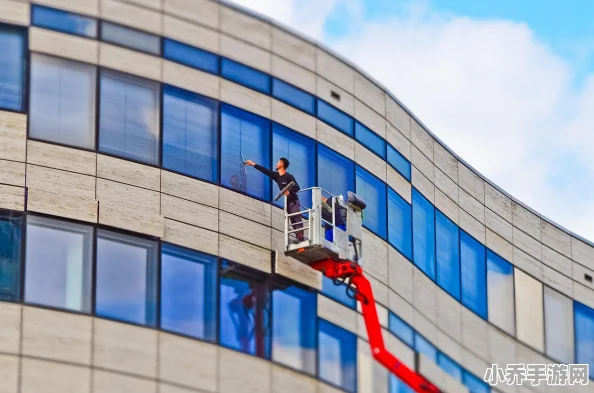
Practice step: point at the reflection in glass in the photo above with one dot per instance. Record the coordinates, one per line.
(244, 136)
(473, 268)
(335, 172)
(294, 313)
(425, 347)
(190, 127)
(423, 214)
(188, 292)
(447, 245)
(399, 223)
(337, 356)
(584, 336)
(10, 255)
(301, 153)
(12, 67)
(401, 329)
(126, 278)
(58, 267)
(373, 192)
(54, 19)
(500, 286)
(129, 117)
(244, 310)
(62, 101)
(130, 38)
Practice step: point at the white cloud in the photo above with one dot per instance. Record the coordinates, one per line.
(501, 99)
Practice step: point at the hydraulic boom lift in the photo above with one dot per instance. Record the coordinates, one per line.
(333, 245)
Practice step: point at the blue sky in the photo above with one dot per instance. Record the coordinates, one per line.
(564, 26)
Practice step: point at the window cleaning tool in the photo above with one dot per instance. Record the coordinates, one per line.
(282, 192)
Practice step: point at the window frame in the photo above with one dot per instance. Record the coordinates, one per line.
(25, 67)
(100, 38)
(101, 70)
(91, 263)
(314, 111)
(215, 285)
(184, 45)
(266, 90)
(94, 36)
(360, 126)
(19, 284)
(282, 281)
(234, 111)
(156, 323)
(384, 191)
(95, 97)
(217, 105)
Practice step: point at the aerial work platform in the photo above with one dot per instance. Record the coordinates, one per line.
(332, 230)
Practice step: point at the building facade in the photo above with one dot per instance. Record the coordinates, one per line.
(138, 254)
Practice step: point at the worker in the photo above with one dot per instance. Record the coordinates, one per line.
(282, 178)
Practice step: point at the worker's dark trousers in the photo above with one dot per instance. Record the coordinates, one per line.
(295, 207)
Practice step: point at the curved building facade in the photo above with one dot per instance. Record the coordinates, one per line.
(138, 254)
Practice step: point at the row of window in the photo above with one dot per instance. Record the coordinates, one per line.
(67, 22)
(83, 268)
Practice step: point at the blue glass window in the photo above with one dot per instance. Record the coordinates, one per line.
(337, 292)
(397, 386)
(59, 264)
(336, 118)
(244, 315)
(10, 255)
(500, 290)
(584, 335)
(447, 245)
(301, 153)
(129, 117)
(190, 56)
(398, 162)
(474, 384)
(337, 356)
(62, 101)
(399, 223)
(373, 192)
(401, 329)
(370, 140)
(293, 96)
(474, 274)
(244, 136)
(51, 18)
(335, 172)
(425, 347)
(294, 312)
(130, 38)
(188, 292)
(126, 282)
(423, 214)
(449, 366)
(244, 75)
(190, 134)
(12, 67)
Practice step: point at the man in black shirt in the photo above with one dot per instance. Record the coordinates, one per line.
(282, 178)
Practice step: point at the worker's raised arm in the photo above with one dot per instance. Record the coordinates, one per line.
(271, 174)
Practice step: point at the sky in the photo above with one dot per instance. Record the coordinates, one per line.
(508, 85)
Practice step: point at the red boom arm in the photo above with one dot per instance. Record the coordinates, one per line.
(364, 294)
